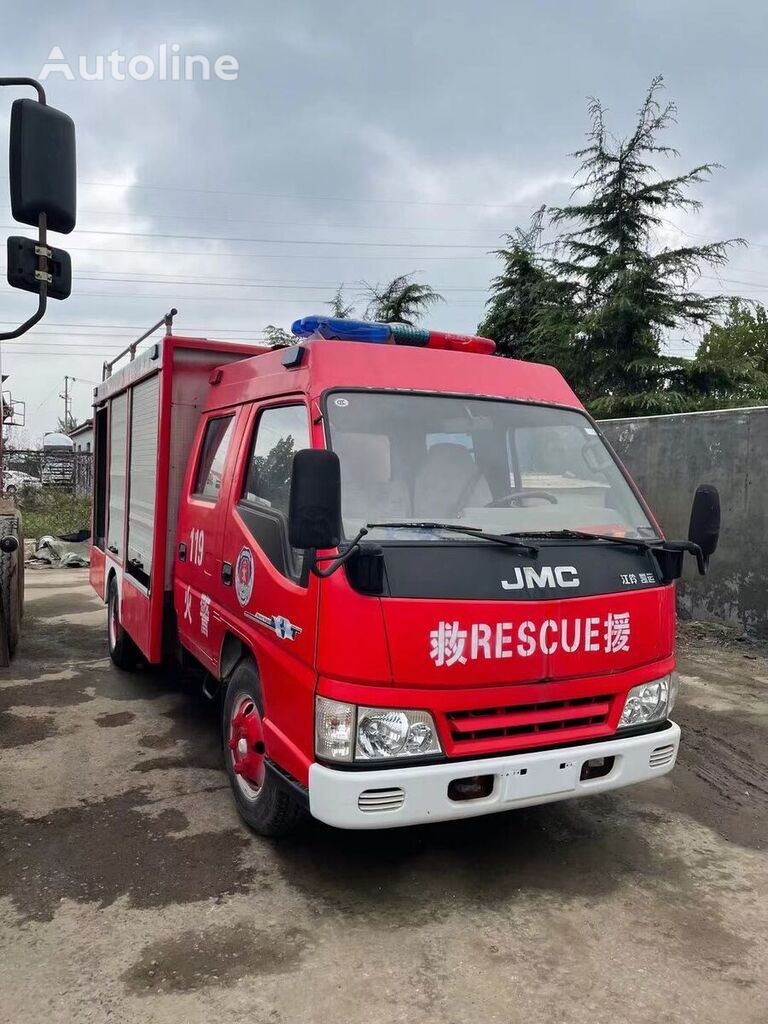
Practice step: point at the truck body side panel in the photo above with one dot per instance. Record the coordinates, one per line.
(118, 460)
(142, 475)
(135, 615)
(149, 410)
(97, 571)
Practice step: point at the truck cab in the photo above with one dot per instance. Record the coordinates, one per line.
(419, 581)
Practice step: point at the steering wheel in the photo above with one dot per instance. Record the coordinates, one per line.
(523, 492)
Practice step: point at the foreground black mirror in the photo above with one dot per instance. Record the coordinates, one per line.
(314, 513)
(704, 528)
(42, 174)
(42, 166)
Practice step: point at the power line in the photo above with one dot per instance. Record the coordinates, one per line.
(311, 198)
(185, 216)
(131, 327)
(273, 256)
(147, 277)
(272, 241)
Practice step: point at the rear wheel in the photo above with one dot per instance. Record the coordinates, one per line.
(122, 650)
(263, 803)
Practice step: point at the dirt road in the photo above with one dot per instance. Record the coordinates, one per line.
(129, 891)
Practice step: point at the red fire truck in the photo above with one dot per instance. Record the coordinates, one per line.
(417, 580)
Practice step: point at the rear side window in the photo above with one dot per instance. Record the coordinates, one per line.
(280, 434)
(210, 468)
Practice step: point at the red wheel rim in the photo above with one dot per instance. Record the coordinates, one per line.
(246, 745)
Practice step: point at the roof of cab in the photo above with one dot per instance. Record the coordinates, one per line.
(343, 364)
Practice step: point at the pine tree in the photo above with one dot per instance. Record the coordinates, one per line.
(340, 308)
(737, 350)
(629, 292)
(278, 337)
(524, 295)
(401, 301)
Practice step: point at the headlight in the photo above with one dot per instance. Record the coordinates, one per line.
(649, 702)
(373, 734)
(385, 732)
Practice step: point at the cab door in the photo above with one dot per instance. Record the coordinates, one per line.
(271, 596)
(199, 589)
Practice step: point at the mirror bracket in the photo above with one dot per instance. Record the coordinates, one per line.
(682, 546)
(338, 560)
(31, 82)
(41, 249)
(42, 274)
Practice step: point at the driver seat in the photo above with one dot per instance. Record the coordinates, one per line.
(448, 482)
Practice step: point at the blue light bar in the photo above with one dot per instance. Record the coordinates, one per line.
(342, 330)
(335, 328)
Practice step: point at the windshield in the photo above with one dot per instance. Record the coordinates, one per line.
(498, 466)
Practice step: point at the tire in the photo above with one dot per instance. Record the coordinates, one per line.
(12, 580)
(263, 804)
(122, 650)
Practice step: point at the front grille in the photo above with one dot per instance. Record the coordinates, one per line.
(525, 723)
(661, 756)
(372, 800)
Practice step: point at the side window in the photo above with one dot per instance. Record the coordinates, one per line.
(213, 455)
(280, 433)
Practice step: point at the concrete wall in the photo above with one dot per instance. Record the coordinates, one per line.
(669, 456)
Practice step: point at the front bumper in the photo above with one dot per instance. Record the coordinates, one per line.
(397, 796)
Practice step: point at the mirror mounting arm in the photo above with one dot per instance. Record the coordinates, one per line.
(702, 560)
(43, 276)
(31, 82)
(340, 559)
(42, 239)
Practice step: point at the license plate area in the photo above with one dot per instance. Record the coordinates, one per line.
(544, 779)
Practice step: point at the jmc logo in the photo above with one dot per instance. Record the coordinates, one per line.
(548, 576)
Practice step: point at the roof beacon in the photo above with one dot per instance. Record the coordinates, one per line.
(388, 334)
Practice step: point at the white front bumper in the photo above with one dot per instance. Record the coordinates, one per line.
(412, 796)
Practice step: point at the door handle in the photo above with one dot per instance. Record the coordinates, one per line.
(113, 549)
(226, 574)
(182, 552)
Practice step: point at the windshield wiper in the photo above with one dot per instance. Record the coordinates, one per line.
(637, 542)
(656, 544)
(508, 540)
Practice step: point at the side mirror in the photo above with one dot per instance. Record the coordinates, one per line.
(43, 166)
(314, 512)
(704, 527)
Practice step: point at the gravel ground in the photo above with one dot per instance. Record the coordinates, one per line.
(129, 891)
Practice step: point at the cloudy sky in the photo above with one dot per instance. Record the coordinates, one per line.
(357, 142)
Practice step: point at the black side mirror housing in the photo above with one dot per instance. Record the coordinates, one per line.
(314, 512)
(704, 527)
(43, 166)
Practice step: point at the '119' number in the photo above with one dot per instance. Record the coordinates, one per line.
(197, 546)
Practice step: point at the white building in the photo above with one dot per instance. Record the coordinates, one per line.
(82, 437)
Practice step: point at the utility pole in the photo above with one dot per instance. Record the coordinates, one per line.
(67, 403)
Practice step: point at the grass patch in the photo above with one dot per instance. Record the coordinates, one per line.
(50, 511)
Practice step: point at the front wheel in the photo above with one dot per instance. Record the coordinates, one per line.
(122, 650)
(263, 803)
